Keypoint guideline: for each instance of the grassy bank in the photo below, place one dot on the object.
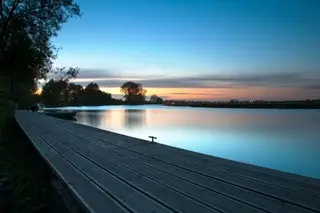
(24, 177)
(24, 185)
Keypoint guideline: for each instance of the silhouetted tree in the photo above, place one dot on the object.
(42, 19)
(23, 63)
(93, 96)
(92, 87)
(65, 75)
(75, 94)
(156, 99)
(26, 52)
(134, 93)
(54, 93)
(62, 93)
(58, 91)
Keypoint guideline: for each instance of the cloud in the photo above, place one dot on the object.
(161, 83)
(113, 78)
(180, 93)
(195, 94)
(312, 86)
(96, 73)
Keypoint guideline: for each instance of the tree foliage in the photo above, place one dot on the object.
(63, 93)
(134, 93)
(93, 96)
(23, 63)
(26, 27)
(55, 92)
(65, 75)
(92, 87)
(156, 99)
(42, 19)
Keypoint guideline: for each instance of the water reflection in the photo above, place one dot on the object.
(91, 118)
(286, 140)
(134, 118)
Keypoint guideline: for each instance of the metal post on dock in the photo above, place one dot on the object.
(152, 138)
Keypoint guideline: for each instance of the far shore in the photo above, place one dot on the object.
(306, 104)
(312, 104)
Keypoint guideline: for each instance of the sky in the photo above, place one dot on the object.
(197, 49)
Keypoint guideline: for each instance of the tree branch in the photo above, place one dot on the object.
(13, 8)
(31, 9)
(5, 23)
(43, 5)
(1, 10)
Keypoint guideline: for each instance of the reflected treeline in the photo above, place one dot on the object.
(91, 118)
(129, 118)
(134, 118)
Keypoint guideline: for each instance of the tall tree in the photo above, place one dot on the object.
(58, 91)
(26, 27)
(134, 93)
(53, 93)
(65, 75)
(93, 96)
(75, 94)
(42, 18)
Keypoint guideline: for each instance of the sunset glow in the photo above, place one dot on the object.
(216, 94)
(197, 50)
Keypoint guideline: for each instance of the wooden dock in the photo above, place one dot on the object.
(108, 172)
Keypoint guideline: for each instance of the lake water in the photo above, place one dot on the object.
(287, 140)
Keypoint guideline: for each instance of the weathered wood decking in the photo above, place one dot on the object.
(108, 172)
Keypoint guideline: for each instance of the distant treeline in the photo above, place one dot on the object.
(305, 104)
(62, 92)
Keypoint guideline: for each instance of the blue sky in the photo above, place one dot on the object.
(159, 40)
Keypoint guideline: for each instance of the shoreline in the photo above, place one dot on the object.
(248, 107)
(52, 108)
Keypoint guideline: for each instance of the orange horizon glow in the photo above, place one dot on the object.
(248, 93)
(212, 94)
(38, 91)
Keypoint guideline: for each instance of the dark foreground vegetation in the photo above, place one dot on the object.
(26, 55)
(307, 104)
(24, 185)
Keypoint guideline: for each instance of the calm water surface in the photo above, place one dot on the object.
(287, 140)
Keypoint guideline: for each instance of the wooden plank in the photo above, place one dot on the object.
(101, 156)
(259, 187)
(140, 163)
(166, 195)
(124, 193)
(278, 193)
(89, 195)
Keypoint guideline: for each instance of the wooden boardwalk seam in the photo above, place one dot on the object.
(109, 172)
